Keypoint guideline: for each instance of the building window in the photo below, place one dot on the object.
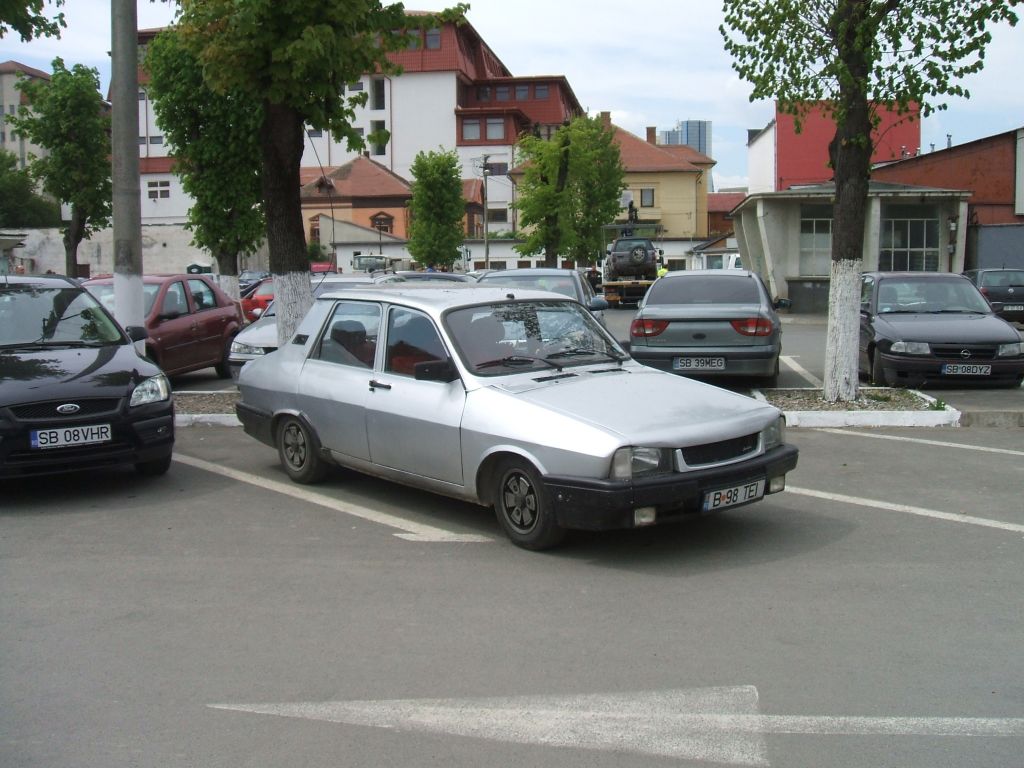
(540, 92)
(647, 198)
(377, 98)
(497, 169)
(159, 189)
(142, 141)
(502, 93)
(142, 95)
(433, 39)
(471, 130)
(524, 264)
(815, 239)
(382, 222)
(909, 239)
(497, 215)
(413, 36)
(495, 128)
(522, 92)
(356, 86)
(314, 230)
(314, 133)
(483, 93)
(156, 139)
(376, 126)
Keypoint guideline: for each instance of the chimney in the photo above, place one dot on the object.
(606, 119)
(652, 134)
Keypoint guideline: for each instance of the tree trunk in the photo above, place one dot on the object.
(850, 153)
(72, 237)
(227, 272)
(281, 143)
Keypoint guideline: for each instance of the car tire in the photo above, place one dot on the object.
(223, 368)
(154, 468)
(771, 381)
(878, 377)
(523, 507)
(299, 453)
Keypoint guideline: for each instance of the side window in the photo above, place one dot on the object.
(202, 295)
(350, 337)
(412, 338)
(175, 302)
(866, 286)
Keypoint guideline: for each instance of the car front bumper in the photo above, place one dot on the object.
(145, 433)
(907, 370)
(587, 504)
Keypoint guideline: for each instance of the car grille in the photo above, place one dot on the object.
(714, 453)
(955, 352)
(48, 410)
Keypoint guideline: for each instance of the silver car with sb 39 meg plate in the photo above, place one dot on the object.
(501, 397)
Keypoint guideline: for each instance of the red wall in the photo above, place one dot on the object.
(802, 158)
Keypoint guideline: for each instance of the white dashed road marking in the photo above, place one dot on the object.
(793, 365)
(923, 441)
(410, 530)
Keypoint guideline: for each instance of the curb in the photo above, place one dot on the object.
(206, 419)
(947, 417)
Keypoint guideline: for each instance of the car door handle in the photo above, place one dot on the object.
(374, 384)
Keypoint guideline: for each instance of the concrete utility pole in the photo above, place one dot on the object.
(487, 245)
(127, 208)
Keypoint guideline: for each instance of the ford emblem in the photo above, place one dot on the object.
(68, 408)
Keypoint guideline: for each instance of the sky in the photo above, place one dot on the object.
(649, 63)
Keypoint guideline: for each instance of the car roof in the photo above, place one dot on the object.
(705, 272)
(529, 271)
(926, 275)
(154, 278)
(439, 297)
(55, 281)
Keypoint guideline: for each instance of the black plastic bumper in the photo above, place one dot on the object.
(586, 504)
(256, 423)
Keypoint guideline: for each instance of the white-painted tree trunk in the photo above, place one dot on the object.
(228, 284)
(293, 296)
(843, 335)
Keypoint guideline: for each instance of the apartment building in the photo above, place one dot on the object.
(10, 99)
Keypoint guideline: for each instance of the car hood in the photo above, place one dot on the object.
(29, 375)
(645, 406)
(946, 329)
(262, 333)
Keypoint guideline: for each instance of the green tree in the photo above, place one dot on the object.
(68, 118)
(295, 58)
(570, 188)
(26, 18)
(20, 206)
(437, 208)
(856, 55)
(214, 138)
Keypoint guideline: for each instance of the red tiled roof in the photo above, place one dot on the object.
(360, 177)
(473, 191)
(13, 67)
(723, 202)
(686, 152)
(156, 164)
(639, 156)
(307, 175)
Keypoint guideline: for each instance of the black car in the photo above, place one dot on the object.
(918, 327)
(1001, 286)
(249, 278)
(74, 392)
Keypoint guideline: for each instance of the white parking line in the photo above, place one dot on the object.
(923, 441)
(410, 531)
(921, 511)
(793, 365)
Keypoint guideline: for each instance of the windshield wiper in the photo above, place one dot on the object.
(52, 343)
(957, 312)
(581, 352)
(515, 360)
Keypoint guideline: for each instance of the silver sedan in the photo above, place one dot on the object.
(508, 399)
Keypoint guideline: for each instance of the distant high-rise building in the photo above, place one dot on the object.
(693, 133)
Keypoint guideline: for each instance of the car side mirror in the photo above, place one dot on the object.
(436, 370)
(137, 332)
(598, 304)
(782, 304)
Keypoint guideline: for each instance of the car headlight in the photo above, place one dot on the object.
(774, 434)
(635, 460)
(153, 390)
(239, 348)
(911, 347)
(1012, 349)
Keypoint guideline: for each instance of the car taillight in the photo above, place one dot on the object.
(984, 291)
(753, 326)
(643, 328)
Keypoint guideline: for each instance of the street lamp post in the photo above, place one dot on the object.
(487, 249)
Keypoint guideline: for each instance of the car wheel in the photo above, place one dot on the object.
(297, 450)
(223, 368)
(638, 255)
(772, 380)
(878, 377)
(523, 507)
(155, 467)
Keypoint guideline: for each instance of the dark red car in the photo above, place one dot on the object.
(258, 298)
(190, 320)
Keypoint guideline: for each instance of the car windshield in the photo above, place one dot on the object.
(511, 337)
(1004, 278)
(914, 295)
(58, 315)
(704, 289)
(104, 292)
(556, 283)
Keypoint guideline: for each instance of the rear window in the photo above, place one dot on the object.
(711, 289)
(1003, 279)
(556, 283)
(628, 245)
